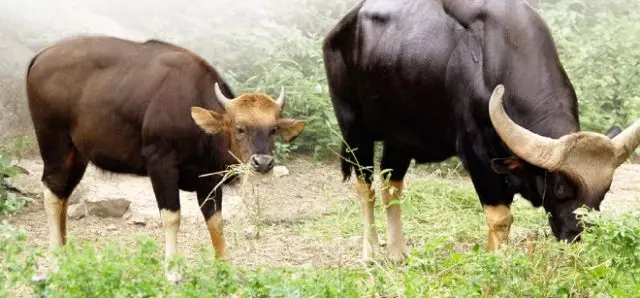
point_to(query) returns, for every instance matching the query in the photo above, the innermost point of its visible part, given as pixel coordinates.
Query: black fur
(417, 75)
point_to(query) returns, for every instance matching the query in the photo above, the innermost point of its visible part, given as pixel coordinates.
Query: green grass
(11, 202)
(443, 221)
(432, 207)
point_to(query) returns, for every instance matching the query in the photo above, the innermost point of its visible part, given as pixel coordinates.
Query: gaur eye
(240, 130)
(273, 131)
(562, 191)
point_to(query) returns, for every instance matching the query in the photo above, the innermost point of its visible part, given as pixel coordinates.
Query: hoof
(369, 248)
(398, 254)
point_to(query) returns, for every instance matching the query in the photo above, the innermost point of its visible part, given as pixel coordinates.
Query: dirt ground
(308, 193)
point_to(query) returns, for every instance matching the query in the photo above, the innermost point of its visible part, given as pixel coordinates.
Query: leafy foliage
(10, 201)
(598, 46)
(284, 49)
(18, 261)
(443, 220)
(597, 43)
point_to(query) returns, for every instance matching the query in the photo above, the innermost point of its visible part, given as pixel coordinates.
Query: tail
(33, 60)
(335, 48)
(345, 162)
(26, 83)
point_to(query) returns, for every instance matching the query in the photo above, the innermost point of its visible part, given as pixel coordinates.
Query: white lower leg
(56, 211)
(170, 225)
(397, 247)
(367, 203)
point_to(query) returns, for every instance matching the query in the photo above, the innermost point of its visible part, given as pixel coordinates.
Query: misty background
(265, 44)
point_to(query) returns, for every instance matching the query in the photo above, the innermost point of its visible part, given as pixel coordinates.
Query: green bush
(17, 261)
(118, 271)
(295, 63)
(606, 263)
(265, 45)
(598, 45)
(10, 201)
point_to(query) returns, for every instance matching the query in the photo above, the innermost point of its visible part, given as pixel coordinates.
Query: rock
(30, 185)
(79, 194)
(280, 171)
(107, 207)
(251, 232)
(22, 170)
(111, 227)
(26, 185)
(76, 211)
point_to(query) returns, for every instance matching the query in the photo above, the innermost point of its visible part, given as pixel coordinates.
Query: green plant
(442, 220)
(611, 253)
(18, 260)
(597, 42)
(9, 201)
(294, 62)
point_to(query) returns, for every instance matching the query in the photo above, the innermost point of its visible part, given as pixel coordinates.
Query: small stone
(39, 278)
(107, 207)
(280, 171)
(251, 233)
(173, 277)
(76, 211)
(111, 227)
(138, 220)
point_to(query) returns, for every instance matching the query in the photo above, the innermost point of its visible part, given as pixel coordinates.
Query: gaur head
(574, 170)
(252, 121)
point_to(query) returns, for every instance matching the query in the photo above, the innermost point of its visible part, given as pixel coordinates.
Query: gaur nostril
(254, 162)
(262, 162)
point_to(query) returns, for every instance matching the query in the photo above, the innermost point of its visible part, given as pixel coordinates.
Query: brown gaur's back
(111, 96)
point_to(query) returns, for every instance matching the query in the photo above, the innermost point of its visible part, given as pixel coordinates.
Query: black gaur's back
(418, 74)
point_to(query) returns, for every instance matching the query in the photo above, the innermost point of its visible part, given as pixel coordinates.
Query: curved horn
(280, 100)
(626, 142)
(221, 98)
(537, 150)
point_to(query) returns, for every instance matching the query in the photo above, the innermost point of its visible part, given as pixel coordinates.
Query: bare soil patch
(308, 193)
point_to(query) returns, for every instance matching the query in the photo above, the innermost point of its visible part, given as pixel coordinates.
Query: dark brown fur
(146, 109)
(116, 103)
(127, 107)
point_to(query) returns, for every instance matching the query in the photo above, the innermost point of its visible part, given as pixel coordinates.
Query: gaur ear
(289, 129)
(506, 165)
(209, 121)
